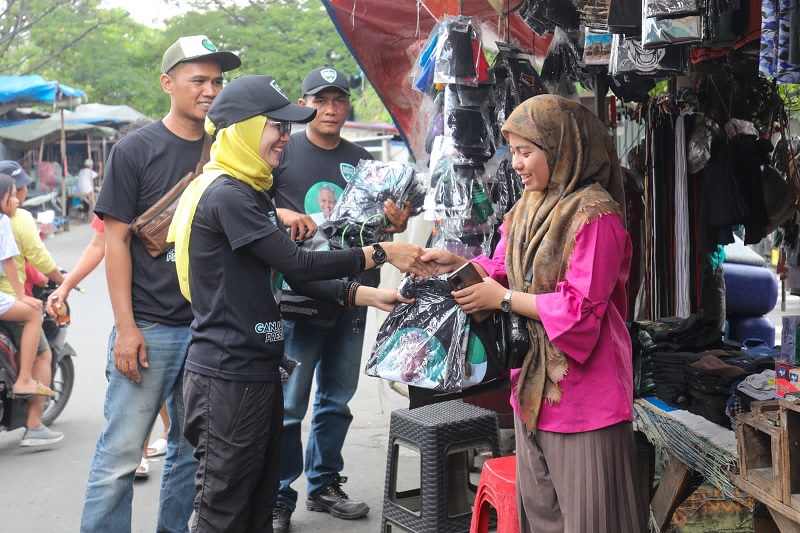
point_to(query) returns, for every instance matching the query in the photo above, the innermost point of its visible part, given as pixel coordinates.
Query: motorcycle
(14, 411)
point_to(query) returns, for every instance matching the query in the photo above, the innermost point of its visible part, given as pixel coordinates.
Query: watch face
(378, 255)
(505, 305)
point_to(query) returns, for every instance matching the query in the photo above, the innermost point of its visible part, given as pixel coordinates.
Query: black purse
(513, 339)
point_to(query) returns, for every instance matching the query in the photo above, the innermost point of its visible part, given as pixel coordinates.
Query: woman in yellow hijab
(231, 252)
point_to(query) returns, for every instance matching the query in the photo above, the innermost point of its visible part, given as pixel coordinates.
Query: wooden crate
(790, 452)
(760, 454)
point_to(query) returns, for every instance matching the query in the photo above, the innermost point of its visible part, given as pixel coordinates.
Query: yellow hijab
(234, 153)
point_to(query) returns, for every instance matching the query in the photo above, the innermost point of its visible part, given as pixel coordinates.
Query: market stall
(701, 113)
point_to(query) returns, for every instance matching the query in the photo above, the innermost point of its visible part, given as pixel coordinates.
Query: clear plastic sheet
(670, 8)
(358, 219)
(658, 32)
(427, 343)
(465, 238)
(452, 196)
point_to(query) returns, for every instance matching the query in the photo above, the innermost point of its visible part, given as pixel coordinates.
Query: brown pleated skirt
(579, 482)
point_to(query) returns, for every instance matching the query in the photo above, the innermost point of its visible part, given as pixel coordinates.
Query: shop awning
(17, 91)
(103, 113)
(385, 37)
(32, 133)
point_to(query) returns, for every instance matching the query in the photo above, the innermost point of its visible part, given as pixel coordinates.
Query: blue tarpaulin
(34, 88)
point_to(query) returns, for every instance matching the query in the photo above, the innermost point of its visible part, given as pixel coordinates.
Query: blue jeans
(334, 355)
(130, 410)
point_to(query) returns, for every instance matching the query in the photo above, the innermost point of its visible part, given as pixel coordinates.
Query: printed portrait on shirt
(321, 199)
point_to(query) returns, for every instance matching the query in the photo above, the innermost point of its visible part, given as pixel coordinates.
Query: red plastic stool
(498, 488)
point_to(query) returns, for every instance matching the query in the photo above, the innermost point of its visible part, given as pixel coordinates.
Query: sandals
(143, 470)
(41, 390)
(158, 448)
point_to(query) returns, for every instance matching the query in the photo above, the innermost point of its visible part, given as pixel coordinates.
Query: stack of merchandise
(671, 376)
(466, 102)
(710, 381)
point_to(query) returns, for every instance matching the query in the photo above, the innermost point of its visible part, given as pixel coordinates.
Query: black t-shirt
(236, 246)
(141, 168)
(311, 179)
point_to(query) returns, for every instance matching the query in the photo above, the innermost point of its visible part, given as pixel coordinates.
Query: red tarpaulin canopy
(386, 36)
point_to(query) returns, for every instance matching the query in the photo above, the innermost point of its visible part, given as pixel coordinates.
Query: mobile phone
(465, 276)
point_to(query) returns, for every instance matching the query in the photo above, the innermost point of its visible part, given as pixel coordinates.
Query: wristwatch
(378, 255)
(505, 305)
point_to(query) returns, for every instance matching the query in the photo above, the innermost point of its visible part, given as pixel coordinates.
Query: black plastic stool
(444, 434)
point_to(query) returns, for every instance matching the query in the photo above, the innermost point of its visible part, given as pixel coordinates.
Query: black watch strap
(378, 255)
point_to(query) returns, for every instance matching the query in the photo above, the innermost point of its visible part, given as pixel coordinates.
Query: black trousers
(235, 428)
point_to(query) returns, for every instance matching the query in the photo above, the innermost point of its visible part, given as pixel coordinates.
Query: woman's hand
(406, 257)
(383, 299)
(441, 261)
(300, 226)
(481, 296)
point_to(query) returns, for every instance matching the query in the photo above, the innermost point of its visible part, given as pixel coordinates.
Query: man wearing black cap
(316, 161)
(231, 273)
(33, 250)
(150, 337)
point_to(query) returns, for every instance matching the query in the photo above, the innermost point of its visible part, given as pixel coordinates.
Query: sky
(148, 12)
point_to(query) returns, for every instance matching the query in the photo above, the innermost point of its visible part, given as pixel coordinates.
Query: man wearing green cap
(150, 338)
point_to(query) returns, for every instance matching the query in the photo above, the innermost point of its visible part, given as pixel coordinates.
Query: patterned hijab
(585, 183)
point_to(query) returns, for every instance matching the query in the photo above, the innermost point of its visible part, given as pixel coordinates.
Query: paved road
(42, 490)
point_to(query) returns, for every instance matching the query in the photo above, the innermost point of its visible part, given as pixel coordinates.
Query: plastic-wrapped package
(670, 8)
(465, 238)
(628, 56)
(357, 218)
(452, 196)
(698, 152)
(544, 16)
(467, 126)
(459, 54)
(427, 343)
(516, 80)
(561, 66)
(423, 70)
(597, 48)
(659, 32)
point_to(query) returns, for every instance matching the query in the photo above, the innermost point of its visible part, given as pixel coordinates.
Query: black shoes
(281, 517)
(332, 499)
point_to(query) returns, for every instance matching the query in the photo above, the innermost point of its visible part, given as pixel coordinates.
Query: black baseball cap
(323, 78)
(15, 170)
(249, 96)
(197, 48)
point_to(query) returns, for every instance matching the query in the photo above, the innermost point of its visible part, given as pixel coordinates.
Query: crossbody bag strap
(205, 155)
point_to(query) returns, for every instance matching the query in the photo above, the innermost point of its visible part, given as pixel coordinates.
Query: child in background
(24, 309)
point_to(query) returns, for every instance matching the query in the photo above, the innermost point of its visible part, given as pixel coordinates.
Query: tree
(34, 33)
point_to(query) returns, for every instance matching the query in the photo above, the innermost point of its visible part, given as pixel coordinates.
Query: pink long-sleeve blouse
(585, 317)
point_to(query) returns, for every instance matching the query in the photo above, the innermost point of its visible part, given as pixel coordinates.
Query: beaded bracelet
(350, 297)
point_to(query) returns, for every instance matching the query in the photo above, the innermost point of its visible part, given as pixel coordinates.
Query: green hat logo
(275, 86)
(208, 45)
(328, 75)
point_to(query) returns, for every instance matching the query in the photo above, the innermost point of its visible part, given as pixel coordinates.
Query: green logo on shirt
(347, 171)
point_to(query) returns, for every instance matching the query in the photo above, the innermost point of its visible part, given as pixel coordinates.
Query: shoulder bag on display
(152, 226)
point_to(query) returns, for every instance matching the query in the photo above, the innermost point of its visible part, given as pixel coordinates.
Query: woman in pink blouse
(573, 393)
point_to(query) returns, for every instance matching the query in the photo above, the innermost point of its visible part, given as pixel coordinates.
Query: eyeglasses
(284, 127)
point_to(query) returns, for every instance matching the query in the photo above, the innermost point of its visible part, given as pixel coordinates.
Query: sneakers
(281, 516)
(40, 437)
(332, 499)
